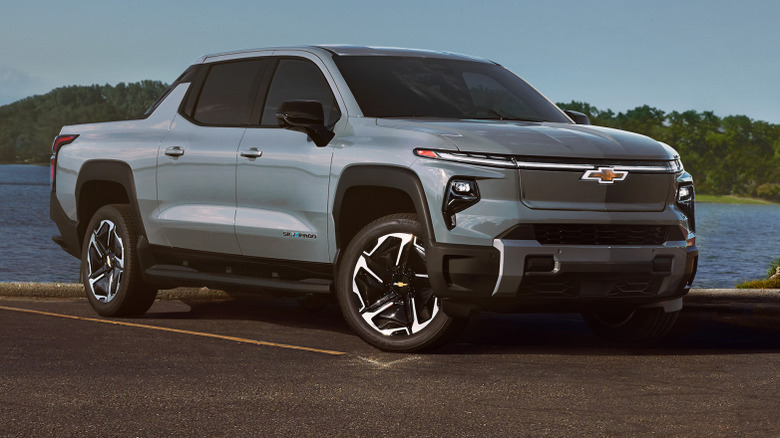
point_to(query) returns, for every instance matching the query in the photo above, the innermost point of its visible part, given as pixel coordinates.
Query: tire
(109, 264)
(639, 326)
(383, 290)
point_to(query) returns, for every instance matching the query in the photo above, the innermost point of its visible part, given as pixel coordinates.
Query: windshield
(391, 86)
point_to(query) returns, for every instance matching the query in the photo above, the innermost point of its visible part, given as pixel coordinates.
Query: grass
(760, 284)
(730, 199)
(765, 283)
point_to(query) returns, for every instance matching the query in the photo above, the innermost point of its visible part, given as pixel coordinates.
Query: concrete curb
(71, 290)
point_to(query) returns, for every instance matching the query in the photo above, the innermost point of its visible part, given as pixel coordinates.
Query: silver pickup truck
(416, 187)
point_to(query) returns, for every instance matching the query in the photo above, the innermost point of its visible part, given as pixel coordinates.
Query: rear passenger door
(196, 162)
(282, 176)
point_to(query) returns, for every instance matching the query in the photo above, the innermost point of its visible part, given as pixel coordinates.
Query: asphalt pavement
(205, 364)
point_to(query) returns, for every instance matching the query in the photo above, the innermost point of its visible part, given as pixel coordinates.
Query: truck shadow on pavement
(698, 330)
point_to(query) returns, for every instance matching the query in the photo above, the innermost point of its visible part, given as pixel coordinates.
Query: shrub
(764, 283)
(769, 191)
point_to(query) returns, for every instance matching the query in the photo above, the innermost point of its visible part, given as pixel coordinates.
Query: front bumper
(524, 275)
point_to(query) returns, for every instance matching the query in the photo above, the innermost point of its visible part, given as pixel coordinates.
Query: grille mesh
(582, 234)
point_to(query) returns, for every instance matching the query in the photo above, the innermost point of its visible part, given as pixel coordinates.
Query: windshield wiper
(501, 116)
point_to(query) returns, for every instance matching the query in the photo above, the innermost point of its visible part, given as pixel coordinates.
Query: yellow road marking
(173, 330)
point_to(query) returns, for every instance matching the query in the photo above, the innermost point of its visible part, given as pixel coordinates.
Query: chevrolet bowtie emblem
(605, 175)
(400, 284)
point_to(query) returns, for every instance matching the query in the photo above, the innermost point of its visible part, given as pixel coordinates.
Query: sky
(721, 56)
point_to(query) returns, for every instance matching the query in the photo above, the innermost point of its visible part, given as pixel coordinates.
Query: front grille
(586, 234)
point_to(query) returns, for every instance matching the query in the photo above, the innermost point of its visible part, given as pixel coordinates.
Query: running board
(178, 276)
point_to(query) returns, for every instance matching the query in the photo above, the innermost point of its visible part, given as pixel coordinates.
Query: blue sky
(722, 56)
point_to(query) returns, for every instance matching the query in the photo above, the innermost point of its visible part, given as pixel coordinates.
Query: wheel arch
(399, 185)
(103, 182)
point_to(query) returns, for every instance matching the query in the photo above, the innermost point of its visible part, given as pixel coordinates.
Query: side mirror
(578, 117)
(305, 116)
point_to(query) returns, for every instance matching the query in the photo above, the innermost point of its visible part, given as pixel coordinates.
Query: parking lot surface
(264, 366)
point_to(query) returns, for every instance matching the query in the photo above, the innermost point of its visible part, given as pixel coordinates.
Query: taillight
(59, 141)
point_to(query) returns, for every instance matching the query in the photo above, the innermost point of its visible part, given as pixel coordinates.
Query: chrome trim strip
(511, 162)
(553, 166)
(472, 160)
(643, 168)
(499, 245)
(564, 166)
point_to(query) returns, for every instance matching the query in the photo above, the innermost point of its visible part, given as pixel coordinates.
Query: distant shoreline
(732, 199)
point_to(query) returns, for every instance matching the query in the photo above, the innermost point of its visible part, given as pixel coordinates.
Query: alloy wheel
(390, 283)
(105, 261)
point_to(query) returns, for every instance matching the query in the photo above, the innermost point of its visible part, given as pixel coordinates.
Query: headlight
(676, 165)
(684, 193)
(686, 201)
(460, 195)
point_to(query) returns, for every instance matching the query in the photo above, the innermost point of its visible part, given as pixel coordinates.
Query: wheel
(384, 292)
(635, 326)
(109, 265)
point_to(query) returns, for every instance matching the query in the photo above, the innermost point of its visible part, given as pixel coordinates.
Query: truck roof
(343, 50)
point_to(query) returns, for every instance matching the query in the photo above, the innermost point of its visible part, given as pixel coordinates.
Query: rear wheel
(384, 292)
(109, 265)
(635, 326)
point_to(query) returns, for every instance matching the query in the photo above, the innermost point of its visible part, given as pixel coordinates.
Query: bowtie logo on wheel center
(402, 283)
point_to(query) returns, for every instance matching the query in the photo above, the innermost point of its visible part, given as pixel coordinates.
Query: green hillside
(28, 126)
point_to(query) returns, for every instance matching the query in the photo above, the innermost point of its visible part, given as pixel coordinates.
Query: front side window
(229, 92)
(395, 86)
(298, 79)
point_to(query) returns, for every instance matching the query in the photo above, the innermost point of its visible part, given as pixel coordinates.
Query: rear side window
(229, 93)
(298, 79)
(185, 77)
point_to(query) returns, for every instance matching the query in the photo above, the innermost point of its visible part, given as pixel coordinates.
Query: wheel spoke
(100, 273)
(362, 265)
(116, 278)
(101, 234)
(411, 314)
(380, 303)
(374, 268)
(369, 318)
(97, 245)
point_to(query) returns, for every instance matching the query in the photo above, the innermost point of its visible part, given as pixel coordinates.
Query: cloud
(16, 85)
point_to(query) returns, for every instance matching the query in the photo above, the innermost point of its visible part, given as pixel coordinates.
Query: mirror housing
(305, 116)
(578, 117)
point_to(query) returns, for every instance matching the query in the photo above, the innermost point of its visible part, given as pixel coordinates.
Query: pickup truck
(416, 187)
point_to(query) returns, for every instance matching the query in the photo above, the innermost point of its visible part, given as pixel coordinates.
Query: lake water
(27, 252)
(736, 242)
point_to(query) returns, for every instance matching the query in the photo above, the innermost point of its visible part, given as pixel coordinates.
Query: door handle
(252, 153)
(174, 151)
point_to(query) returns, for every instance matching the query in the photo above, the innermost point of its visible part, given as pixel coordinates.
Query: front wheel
(644, 325)
(384, 292)
(109, 265)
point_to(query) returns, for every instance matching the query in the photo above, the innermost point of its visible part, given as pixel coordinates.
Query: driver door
(282, 176)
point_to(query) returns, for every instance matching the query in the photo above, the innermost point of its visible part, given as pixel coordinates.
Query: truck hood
(550, 140)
